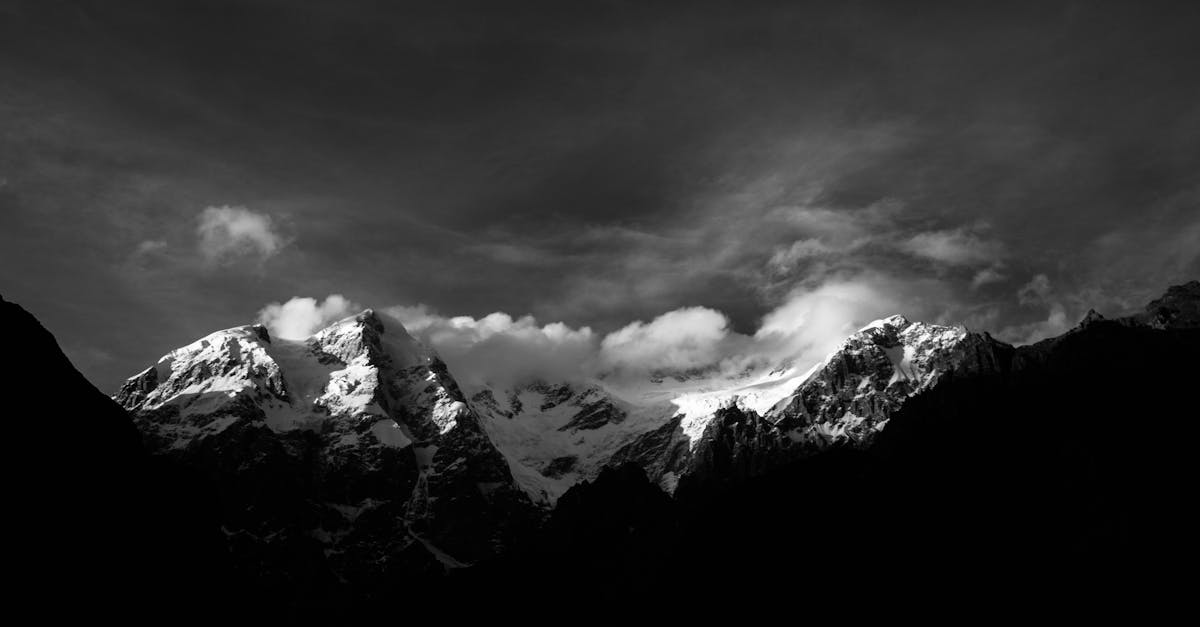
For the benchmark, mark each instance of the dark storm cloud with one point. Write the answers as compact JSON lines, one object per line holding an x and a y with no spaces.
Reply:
{"x":595,"y":163}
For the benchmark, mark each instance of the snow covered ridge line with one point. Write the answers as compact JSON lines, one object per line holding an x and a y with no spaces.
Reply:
{"x":358,"y":413}
{"x":364,"y":381}
{"x":847,"y":399}
{"x":359,"y":439}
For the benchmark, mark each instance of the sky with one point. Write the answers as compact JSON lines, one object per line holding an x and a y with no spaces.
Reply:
{"x":665,"y":183}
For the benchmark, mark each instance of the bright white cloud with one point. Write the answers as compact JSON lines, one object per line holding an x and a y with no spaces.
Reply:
{"x":230,"y":233}
{"x":299,"y":317}
{"x":685,"y":338}
{"x":501,"y":350}
{"x":812,"y":322}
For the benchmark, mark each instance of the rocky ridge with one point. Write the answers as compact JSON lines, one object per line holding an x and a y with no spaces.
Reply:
{"x":353,"y":449}
{"x":357,"y":449}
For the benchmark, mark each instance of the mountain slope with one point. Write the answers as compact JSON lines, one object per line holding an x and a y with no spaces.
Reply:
{"x":352,"y":451}
{"x":845,"y":400}
{"x":352,"y":460}
{"x":1054,"y":472}
{"x":95,"y":527}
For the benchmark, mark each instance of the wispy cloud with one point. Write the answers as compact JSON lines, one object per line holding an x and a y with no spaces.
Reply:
{"x":1036,"y":291}
{"x":956,"y":247}
{"x":228,"y":234}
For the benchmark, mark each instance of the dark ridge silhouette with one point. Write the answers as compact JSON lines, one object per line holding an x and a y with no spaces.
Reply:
{"x":1062,"y":473}
{"x":97,"y":527}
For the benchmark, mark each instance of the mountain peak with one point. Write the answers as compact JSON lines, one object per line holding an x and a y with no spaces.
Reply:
{"x":1091,"y":317}
{"x":1178,"y":308}
{"x":852,"y":394}
{"x":895,"y":320}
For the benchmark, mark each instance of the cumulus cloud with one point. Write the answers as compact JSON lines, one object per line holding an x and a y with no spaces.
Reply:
{"x":229,"y":233}
{"x":499,"y":349}
{"x":682,"y":339}
{"x":955,"y":247}
{"x":300,"y":317}
{"x":806,"y":326}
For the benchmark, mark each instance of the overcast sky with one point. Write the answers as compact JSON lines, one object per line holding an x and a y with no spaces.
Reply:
{"x":172,"y":168}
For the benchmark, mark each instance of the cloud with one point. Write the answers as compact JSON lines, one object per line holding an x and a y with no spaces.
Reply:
{"x":1036,"y":291}
{"x":299,"y":317}
{"x":149,"y":247}
{"x":786,"y":257}
{"x":804,"y":328}
{"x":501,"y":350}
{"x":812,"y":322}
{"x":955,"y":247}
{"x":230,"y":233}
{"x":149,"y":252}
{"x":498,"y":349}
{"x":986,"y":276}
{"x":1039,"y":292}
{"x":682,"y":339}
{"x":1057,"y":322}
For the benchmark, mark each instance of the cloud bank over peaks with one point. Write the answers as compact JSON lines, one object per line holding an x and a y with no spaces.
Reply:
{"x":499,"y":349}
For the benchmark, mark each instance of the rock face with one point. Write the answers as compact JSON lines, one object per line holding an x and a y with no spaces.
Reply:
{"x":1051,"y":474}
{"x":352,"y":451}
{"x":364,"y":419}
{"x":355,"y":454}
{"x":1179,"y":308}
{"x":845,"y":401}
{"x":854,"y":393}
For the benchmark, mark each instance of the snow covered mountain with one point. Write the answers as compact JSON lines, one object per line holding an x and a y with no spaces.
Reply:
{"x":372,"y":392}
{"x":557,"y":434}
{"x":358,"y":450}
{"x":844,"y":400}
{"x":353,"y":447}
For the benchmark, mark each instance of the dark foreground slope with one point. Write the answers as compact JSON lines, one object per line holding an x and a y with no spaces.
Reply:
{"x":94,"y":526}
{"x":1066,"y":470}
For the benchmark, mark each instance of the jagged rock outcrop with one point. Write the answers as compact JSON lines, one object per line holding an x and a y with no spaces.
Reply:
{"x":1179,"y":308}
{"x":845,"y":401}
{"x":353,"y":451}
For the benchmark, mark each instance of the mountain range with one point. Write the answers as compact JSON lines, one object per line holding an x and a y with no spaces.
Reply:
{"x":337,"y":470}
